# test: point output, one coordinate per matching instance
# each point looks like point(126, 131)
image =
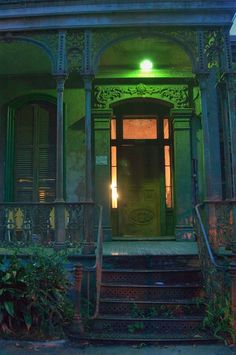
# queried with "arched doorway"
point(141, 170)
point(31, 151)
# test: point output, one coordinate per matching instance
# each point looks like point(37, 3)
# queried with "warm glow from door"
point(140, 128)
point(168, 177)
point(114, 193)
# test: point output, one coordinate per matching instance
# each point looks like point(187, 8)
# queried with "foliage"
point(219, 318)
point(135, 327)
point(33, 294)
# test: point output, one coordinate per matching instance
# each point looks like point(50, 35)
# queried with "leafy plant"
point(135, 327)
point(219, 318)
point(33, 294)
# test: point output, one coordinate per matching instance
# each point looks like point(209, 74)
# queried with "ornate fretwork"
point(61, 55)
point(227, 64)
point(186, 38)
point(105, 95)
point(74, 50)
point(213, 47)
point(201, 58)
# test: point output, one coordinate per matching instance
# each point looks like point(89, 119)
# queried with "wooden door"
point(140, 185)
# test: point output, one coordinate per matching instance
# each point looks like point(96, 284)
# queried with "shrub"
point(33, 295)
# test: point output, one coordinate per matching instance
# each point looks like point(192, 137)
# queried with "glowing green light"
point(146, 65)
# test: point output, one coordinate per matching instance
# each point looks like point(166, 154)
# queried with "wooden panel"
point(139, 190)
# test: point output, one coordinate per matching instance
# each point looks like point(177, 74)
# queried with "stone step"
point(195, 337)
point(180, 325)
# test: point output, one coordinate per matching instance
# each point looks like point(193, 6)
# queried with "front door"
point(140, 185)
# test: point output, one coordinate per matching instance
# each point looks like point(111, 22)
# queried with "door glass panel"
point(141, 128)
point(113, 128)
point(114, 194)
point(168, 177)
point(166, 128)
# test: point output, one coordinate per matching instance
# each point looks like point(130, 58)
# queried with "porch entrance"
point(141, 173)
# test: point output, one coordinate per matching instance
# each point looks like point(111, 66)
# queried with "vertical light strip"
point(168, 177)
point(114, 193)
point(166, 129)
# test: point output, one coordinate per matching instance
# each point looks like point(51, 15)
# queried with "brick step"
point(151, 277)
point(151, 292)
point(145, 325)
point(171, 262)
point(151, 309)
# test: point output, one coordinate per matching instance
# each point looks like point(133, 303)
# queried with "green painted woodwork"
point(183, 174)
point(140, 189)
point(101, 120)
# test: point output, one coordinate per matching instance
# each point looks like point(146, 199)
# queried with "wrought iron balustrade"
point(30, 223)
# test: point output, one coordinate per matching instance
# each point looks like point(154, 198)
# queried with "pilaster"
point(101, 119)
point(183, 174)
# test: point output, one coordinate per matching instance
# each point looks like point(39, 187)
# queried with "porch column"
point(211, 135)
point(183, 174)
point(102, 165)
point(59, 209)
point(88, 247)
point(228, 79)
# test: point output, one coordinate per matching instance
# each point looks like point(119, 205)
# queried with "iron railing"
point(29, 223)
point(215, 229)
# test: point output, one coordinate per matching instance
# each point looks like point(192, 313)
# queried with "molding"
point(105, 96)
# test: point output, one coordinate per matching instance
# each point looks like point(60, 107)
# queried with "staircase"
point(150, 299)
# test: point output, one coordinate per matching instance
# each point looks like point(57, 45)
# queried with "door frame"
point(160, 110)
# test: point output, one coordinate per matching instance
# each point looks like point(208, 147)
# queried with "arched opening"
point(141, 170)
point(31, 151)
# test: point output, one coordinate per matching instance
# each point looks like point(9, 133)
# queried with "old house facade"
point(128, 104)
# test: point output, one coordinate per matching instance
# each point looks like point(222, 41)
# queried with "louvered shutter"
point(24, 171)
point(35, 153)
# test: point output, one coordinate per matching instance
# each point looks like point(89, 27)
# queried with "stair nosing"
point(122, 300)
point(149, 270)
point(108, 284)
point(147, 319)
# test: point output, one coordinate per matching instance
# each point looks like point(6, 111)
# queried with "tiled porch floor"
point(150, 248)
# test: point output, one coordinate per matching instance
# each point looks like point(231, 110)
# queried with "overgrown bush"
point(33, 295)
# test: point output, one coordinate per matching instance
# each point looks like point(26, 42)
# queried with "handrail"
point(99, 260)
point(206, 239)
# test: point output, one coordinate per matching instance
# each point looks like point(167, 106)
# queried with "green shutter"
point(35, 153)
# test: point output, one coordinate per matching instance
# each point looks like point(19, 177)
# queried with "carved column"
point(102, 165)
point(59, 209)
point(181, 119)
point(60, 76)
point(207, 64)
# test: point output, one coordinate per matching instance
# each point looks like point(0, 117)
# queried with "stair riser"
point(140, 326)
point(150, 311)
point(153, 262)
point(147, 294)
point(151, 278)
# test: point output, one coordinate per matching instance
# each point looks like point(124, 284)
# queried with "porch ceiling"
point(23, 58)
point(123, 59)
